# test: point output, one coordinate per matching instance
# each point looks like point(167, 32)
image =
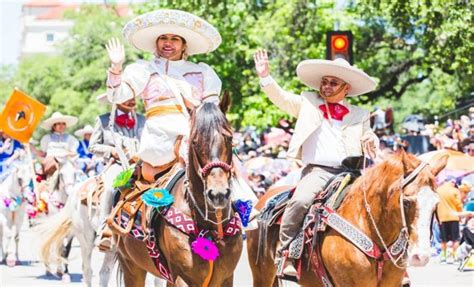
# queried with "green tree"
point(420, 52)
point(70, 81)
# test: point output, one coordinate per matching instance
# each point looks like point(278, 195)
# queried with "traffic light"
point(339, 45)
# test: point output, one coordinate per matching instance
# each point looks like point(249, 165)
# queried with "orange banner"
point(21, 115)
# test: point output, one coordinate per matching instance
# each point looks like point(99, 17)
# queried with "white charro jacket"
point(305, 108)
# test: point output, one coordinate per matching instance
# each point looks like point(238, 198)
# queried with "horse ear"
point(225, 102)
point(439, 165)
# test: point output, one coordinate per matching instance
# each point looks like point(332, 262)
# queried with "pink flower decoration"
point(7, 201)
point(31, 211)
point(205, 248)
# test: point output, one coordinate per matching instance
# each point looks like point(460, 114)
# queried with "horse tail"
point(53, 231)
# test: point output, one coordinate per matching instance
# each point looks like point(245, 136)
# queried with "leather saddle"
point(50, 165)
point(128, 206)
point(273, 205)
point(152, 173)
point(91, 191)
point(130, 209)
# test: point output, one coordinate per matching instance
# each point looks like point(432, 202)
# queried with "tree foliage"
point(420, 52)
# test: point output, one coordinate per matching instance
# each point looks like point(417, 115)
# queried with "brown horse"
point(376, 194)
point(202, 195)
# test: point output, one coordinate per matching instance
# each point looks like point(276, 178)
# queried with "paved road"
point(31, 272)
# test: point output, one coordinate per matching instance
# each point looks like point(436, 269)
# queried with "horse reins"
point(204, 214)
point(404, 230)
point(203, 173)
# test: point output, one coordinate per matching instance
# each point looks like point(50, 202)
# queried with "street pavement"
point(31, 271)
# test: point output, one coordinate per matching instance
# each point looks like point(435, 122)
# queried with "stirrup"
point(104, 241)
point(280, 260)
point(286, 269)
point(290, 269)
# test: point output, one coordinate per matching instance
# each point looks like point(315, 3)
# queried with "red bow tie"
point(125, 121)
point(337, 111)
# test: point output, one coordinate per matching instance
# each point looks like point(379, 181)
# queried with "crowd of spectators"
point(419, 137)
point(263, 153)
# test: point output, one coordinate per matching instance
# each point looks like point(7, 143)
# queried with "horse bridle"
point(203, 173)
point(404, 234)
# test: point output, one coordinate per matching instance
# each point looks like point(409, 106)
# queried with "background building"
point(30, 27)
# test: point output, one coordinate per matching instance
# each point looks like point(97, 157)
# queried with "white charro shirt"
point(325, 145)
point(54, 144)
point(160, 82)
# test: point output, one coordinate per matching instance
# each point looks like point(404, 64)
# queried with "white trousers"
point(159, 137)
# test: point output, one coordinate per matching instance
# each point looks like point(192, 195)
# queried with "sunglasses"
point(332, 83)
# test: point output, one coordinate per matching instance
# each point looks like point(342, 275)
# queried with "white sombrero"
point(57, 117)
point(102, 98)
point(311, 72)
point(201, 37)
point(88, 129)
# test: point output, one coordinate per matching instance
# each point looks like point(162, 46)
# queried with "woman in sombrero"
point(169, 84)
point(57, 143)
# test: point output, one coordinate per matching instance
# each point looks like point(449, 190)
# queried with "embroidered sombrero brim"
point(57, 117)
point(310, 72)
point(201, 37)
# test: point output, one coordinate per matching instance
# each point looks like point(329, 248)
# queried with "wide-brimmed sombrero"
point(201, 37)
point(58, 117)
point(102, 98)
point(88, 129)
point(310, 72)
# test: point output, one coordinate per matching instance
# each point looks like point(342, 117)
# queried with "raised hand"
point(368, 146)
point(116, 53)
point(261, 63)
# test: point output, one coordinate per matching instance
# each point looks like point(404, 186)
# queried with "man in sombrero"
point(328, 129)
point(168, 84)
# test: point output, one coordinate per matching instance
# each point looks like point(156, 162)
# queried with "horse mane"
point(385, 176)
point(383, 181)
point(206, 120)
point(209, 128)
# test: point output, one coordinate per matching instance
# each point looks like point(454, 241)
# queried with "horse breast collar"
point(188, 226)
point(183, 223)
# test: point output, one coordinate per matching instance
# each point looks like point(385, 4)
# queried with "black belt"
point(330, 169)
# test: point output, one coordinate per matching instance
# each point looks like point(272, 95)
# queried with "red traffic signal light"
point(339, 45)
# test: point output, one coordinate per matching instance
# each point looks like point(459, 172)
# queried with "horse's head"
point(418, 193)
point(210, 154)
point(401, 190)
